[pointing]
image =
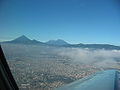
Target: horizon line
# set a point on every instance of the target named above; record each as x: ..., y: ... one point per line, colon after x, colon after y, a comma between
x: 54, y: 40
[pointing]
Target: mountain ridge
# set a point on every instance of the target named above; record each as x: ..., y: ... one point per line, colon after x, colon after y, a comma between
x: 23, y: 40
x: 59, y: 42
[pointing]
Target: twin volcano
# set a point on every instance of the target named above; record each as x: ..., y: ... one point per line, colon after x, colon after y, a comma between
x: 24, y: 40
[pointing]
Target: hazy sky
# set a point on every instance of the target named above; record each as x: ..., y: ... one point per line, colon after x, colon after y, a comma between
x: 76, y: 21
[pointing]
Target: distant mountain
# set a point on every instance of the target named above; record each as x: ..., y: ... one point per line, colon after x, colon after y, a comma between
x: 58, y: 42
x: 97, y: 46
x: 23, y: 40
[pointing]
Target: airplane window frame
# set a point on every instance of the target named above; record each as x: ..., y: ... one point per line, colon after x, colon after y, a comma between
x: 7, y: 82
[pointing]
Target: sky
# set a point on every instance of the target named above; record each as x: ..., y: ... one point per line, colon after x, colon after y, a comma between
x: 75, y: 21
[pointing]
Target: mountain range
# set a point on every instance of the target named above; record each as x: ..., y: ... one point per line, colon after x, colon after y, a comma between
x: 25, y: 40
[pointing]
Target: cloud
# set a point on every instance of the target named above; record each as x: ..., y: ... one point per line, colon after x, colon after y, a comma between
x: 102, y: 58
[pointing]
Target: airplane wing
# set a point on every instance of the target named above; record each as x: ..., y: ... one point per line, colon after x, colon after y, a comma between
x: 105, y: 80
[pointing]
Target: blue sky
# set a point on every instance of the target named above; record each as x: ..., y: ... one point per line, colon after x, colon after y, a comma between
x: 76, y: 21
